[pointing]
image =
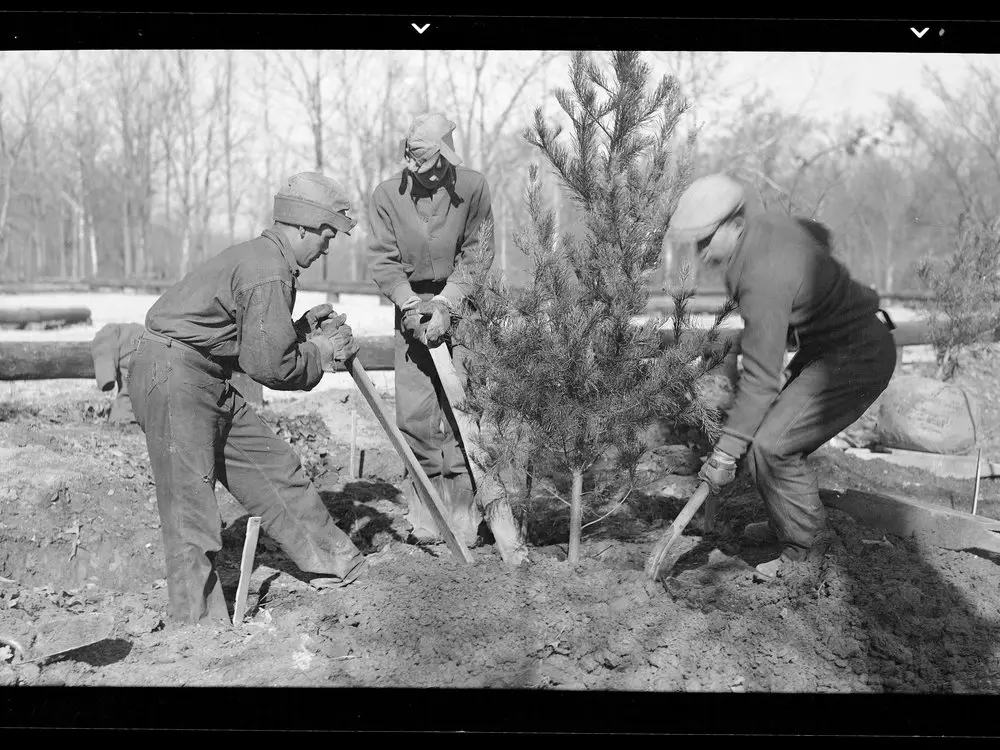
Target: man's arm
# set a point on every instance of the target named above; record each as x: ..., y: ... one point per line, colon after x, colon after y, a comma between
x: 473, y: 257
x: 386, y: 263
x: 765, y: 305
x: 270, y: 352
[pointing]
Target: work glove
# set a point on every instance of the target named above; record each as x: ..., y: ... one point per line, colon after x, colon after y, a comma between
x: 335, y: 340
x: 412, y: 324
x: 311, y: 321
x: 412, y: 303
x: 719, y: 470
x: 440, y: 322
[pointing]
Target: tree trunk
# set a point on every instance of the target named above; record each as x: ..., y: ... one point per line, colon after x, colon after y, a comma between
x: 127, y: 237
x: 230, y: 205
x: 62, y: 242
x: 575, y: 517
x: 503, y: 237
x: 185, y: 247
x: 93, y: 247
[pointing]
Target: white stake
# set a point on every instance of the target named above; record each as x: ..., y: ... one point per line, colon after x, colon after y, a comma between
x: 975, y: 497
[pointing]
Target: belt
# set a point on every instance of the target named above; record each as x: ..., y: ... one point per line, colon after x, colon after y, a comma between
x: 169, y: 342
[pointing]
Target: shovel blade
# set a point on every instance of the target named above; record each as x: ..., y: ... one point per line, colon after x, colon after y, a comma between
x: 66, y: 634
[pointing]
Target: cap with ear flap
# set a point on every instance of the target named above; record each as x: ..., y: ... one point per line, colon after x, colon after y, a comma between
x: 707, y: 202
x: 429, y: 137
x: 311, y: 199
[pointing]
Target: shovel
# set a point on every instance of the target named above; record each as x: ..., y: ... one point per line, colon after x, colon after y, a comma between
x: 60, y: 636
x: 660, y: 561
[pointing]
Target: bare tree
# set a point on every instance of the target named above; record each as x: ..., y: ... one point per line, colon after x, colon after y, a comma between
x: 305, y: 73
x: 33, y: 91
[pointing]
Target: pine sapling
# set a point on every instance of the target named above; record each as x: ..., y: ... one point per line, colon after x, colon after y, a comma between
x: 563, y: 370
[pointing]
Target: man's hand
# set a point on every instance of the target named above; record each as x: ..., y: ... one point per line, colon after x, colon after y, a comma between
x: 338, y: 332
x: 411, y: 324
x: 719, y: 470
x: 440, y: 322
x: 312, y: 320
x: 335, y: 341
x: 412, y: 303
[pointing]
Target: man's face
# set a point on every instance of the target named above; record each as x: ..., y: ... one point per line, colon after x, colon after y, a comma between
x: 435, y: 176
x: 716, y: 249
x: 315, y: 244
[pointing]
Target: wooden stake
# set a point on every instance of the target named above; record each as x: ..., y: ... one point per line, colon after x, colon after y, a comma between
x: 246, y: 569
x: 975, y: 497
x: 354, y: 437
x: 361, y: 463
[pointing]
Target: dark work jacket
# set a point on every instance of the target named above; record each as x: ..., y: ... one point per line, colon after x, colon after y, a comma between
x: 790, y: 290
x: 236, y: 308
x: 423, y: 236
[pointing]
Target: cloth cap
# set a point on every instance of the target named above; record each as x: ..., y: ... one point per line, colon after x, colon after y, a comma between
x: 311, y: 199
x: 429, y: 137
x: 703, y: 207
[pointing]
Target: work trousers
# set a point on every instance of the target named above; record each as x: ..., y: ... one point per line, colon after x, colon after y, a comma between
x: 829, y: 388
x: 199, y: 429
x: 422, y: 418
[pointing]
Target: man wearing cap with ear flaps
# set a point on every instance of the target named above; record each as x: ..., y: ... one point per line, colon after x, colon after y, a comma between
x: 790, y: 291
x: 425, y: 225
x: 233, y: 314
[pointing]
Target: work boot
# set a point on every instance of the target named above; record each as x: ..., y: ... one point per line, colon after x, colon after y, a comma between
x: 760, y: 534
x: 356, y: 573
x: 424, y: 529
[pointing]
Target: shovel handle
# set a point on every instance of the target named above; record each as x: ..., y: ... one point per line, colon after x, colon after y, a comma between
x: 673, y: 533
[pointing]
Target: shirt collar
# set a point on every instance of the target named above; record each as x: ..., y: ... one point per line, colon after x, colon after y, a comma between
x: 286, y: 251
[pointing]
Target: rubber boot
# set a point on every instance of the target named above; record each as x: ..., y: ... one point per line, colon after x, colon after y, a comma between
x: 465, y: 515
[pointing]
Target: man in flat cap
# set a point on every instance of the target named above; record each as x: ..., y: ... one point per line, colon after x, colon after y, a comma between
x: 425, y: 225
x: 233, y: 314
x: 792, y: 293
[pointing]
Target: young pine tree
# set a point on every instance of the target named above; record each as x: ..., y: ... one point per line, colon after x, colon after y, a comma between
x: 560, y: 370
x: 966, y: 288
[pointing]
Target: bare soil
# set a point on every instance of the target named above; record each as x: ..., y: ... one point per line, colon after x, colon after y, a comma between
x: 79, y: 532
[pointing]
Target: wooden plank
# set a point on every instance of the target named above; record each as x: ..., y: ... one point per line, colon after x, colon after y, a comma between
x: 44, y: 360
x: 424, y: 487
x: 246, y: 569
x: 942, y: 527
x: 957, y: 467
x: 22, y: 316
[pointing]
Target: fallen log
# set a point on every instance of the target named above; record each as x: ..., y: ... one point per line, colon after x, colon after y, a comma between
x: 40, y: 360
x: 957, y: 467
x: 50, y: 360
x: 22, y: 316
x: 940, y: 527
x: 908, y: 333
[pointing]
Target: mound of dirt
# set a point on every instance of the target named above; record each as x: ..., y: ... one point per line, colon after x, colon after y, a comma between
x: 866, y: 613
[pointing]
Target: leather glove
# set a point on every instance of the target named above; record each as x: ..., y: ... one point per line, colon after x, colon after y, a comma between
x: 412, y: 324
x: 719, y: 470
x: 337, y: 330
x: 311, y: 321
x: 440, y: 322
x: 335, y: 341
x: 412, y: 303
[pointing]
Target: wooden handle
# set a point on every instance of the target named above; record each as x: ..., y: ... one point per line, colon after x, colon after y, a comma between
x: 424, y: 487
x: 673, y: 533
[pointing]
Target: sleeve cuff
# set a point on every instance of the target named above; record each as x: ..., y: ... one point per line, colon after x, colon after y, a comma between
x: 453, y: 294
x: 732, y: 445
x: 401, y: 293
